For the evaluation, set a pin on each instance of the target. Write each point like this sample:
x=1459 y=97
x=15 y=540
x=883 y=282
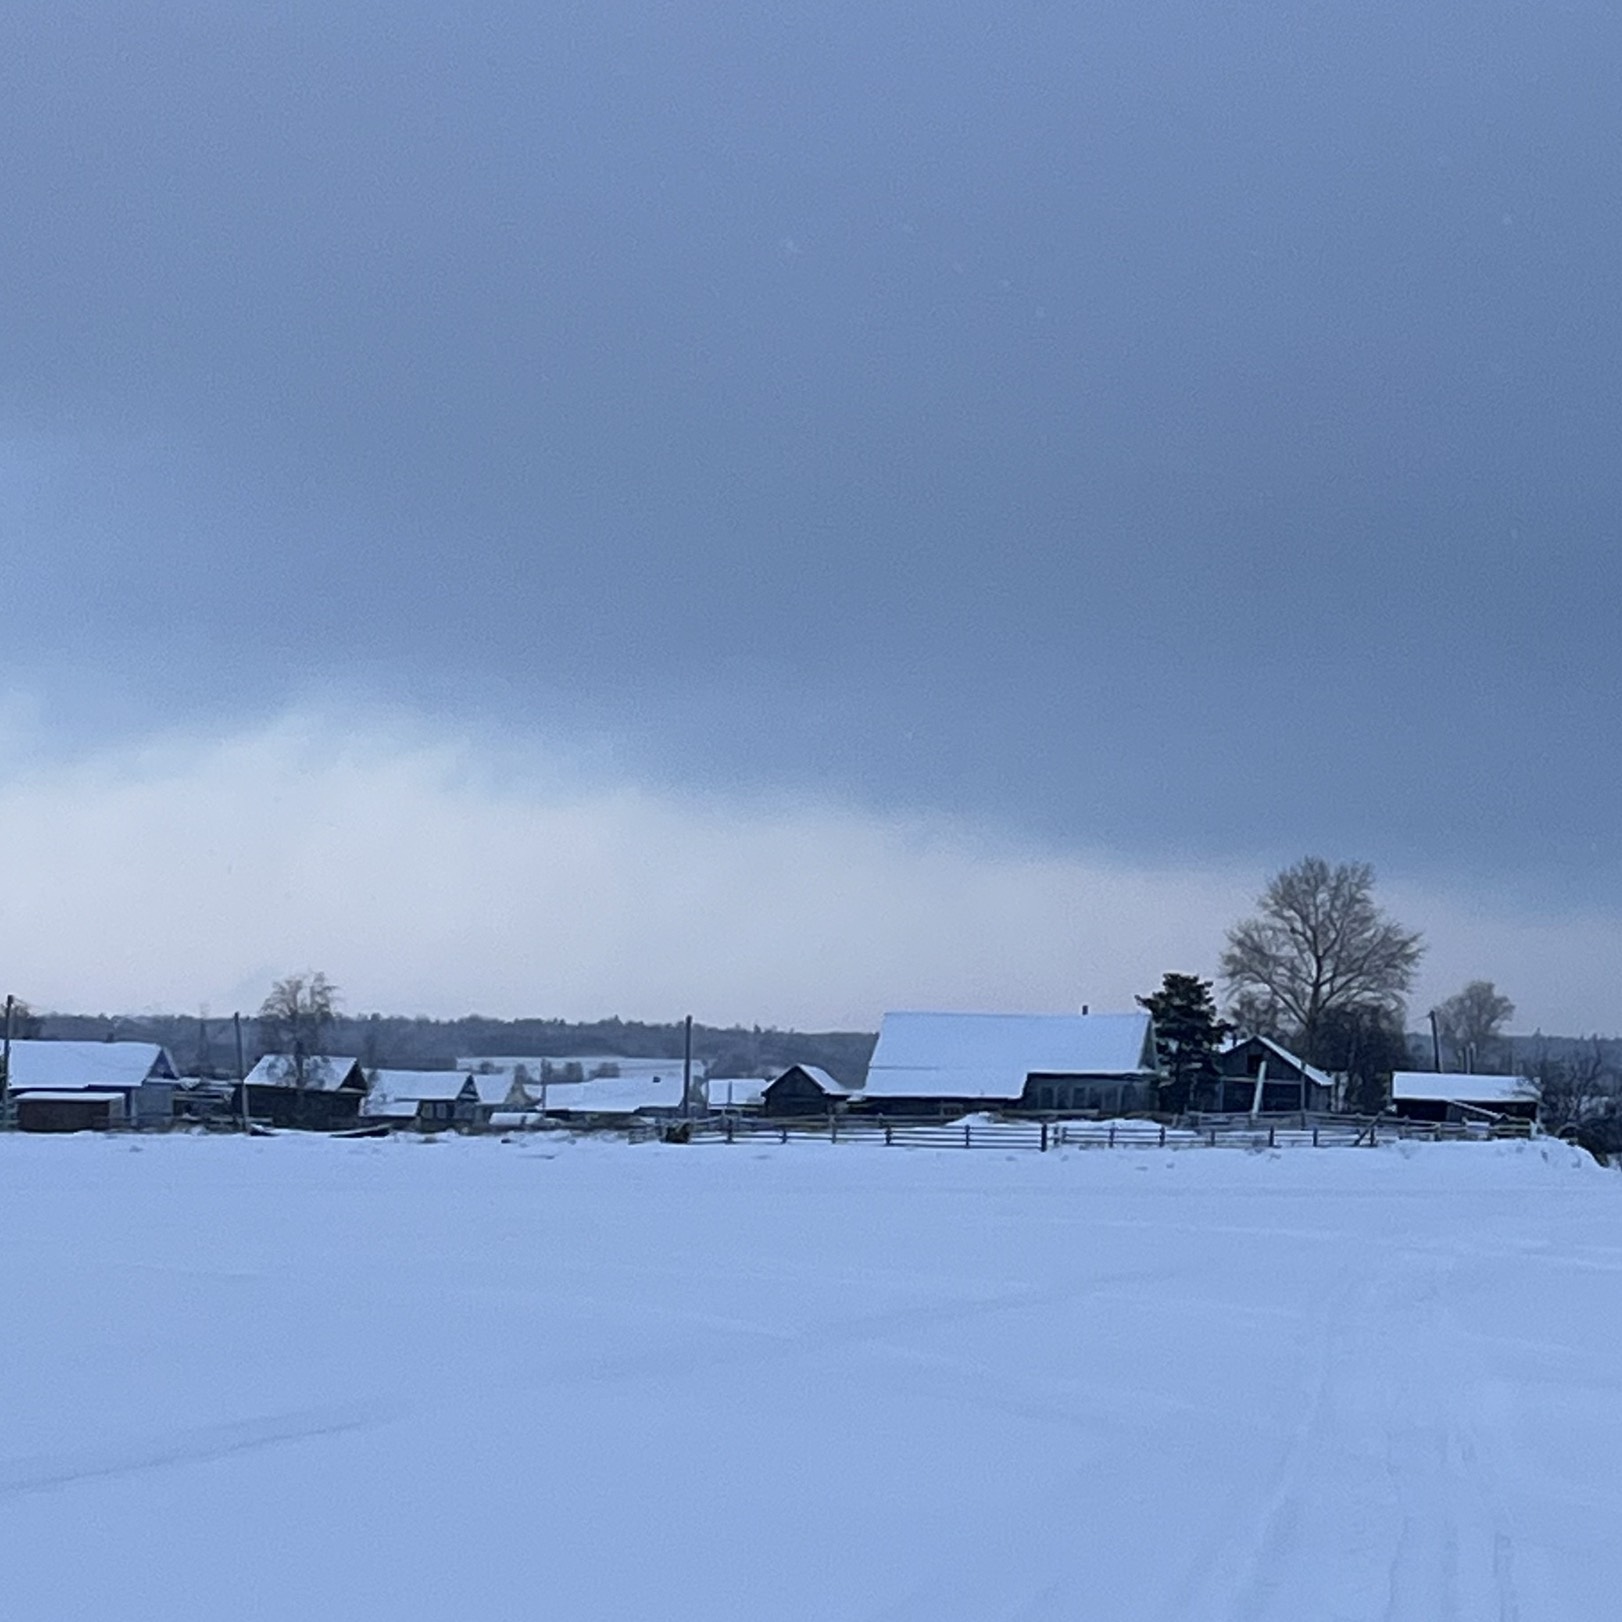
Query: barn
x=1050 y=1064
x=1258 y=1076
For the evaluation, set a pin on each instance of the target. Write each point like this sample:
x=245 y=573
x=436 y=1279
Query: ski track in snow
x=194 y=1445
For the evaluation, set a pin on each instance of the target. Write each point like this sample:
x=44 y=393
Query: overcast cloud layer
x=425 y=876
x=1177 y=432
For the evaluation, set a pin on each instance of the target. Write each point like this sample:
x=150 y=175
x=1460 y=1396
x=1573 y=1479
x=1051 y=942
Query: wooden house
x=141 y=1073
x=308 y=1092
x=1048 y=1064
x=435 y=1100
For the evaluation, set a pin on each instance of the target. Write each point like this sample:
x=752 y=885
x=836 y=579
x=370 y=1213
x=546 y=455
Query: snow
x=1446 y=1087
x=65 y=1066
x=933 y=1386
x=922 y=1055
x=612 y=1095
x=323 y=1072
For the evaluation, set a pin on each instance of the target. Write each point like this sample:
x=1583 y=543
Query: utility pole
x=1436 y=1042
x=687 y=1066
x=5 y=1066
x=242 y=1074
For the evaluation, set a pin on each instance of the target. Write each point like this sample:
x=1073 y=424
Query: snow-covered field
x=308 y=1379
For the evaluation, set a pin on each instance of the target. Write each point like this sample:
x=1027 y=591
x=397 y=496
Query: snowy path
x=287 y=1379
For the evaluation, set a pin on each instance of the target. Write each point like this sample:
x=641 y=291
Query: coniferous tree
x=1188 y=1036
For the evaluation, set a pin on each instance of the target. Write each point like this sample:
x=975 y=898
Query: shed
x=953 y=1064
x=315 y=1092
x=80 y=1110
x=728 y=1094
x=804 y=1089
x=1258 y=1076
x=1430 y=1095
x=142 y=1073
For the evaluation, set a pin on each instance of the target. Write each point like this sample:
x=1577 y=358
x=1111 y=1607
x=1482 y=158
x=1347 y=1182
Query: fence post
x=729 y=1129
x=784 y=1131
x=887 y=1136
x=1162 y=1134
x=1272 y=1142
x=1044 y=1137
x=966 y=1143
x=1213 y=1137
x=1314 y=1137
x=1112 y=1134
x=833 y=1129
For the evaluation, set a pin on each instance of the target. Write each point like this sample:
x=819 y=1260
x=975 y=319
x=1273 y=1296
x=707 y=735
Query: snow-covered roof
x=85 y=1095
x=734 y=1092
x=923 y=1055
x=613 y=1095
x=437 y=1086
x=1451 y=1087
x=74 y=1066
x=834 y=1089
x=323 y=1072
x=1313 y=1074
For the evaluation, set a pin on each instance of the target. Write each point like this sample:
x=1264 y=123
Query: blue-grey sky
x=1179 y=432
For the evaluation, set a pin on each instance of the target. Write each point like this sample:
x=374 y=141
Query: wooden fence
x=1237 y=1132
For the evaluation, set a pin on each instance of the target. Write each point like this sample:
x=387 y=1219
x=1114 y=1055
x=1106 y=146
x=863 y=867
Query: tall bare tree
x=1473 y=1022
x=1319 y=945
x=294 y=1021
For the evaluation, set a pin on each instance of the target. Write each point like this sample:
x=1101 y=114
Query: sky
x=942 y=505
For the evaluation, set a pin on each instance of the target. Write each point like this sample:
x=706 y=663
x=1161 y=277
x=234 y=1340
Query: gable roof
x=420 y=1086
x=1448 y=1087
x=38 y=1065
x=989 y=1056
x=1320 y=1078
x=323 y=1073
x=834 y=1089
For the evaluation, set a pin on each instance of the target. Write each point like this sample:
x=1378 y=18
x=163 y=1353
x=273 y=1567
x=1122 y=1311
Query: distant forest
x=208 y=1047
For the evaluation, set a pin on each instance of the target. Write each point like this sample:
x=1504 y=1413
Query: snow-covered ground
x=287 y=1378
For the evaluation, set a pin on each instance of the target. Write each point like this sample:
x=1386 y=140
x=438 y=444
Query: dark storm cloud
x=1192 y=428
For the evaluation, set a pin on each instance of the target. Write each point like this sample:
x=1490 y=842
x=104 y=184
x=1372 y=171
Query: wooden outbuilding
x=1258 y=1076
x=805 y=1089
x=74 y=1111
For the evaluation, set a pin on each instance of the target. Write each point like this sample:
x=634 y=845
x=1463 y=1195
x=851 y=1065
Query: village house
x=1258 y=1076
x=1430 y=1095
x=311 y=1092
x=955 y=1064
x=436 y=1099
x=90 y=1084
x=805 y=1089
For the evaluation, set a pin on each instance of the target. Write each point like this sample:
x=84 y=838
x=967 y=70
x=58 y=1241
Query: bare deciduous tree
x=294 y=1020
x=1318 y=945
x=1473 y=1022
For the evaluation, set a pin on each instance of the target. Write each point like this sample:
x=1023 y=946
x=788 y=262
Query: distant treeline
x=208 y=1047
